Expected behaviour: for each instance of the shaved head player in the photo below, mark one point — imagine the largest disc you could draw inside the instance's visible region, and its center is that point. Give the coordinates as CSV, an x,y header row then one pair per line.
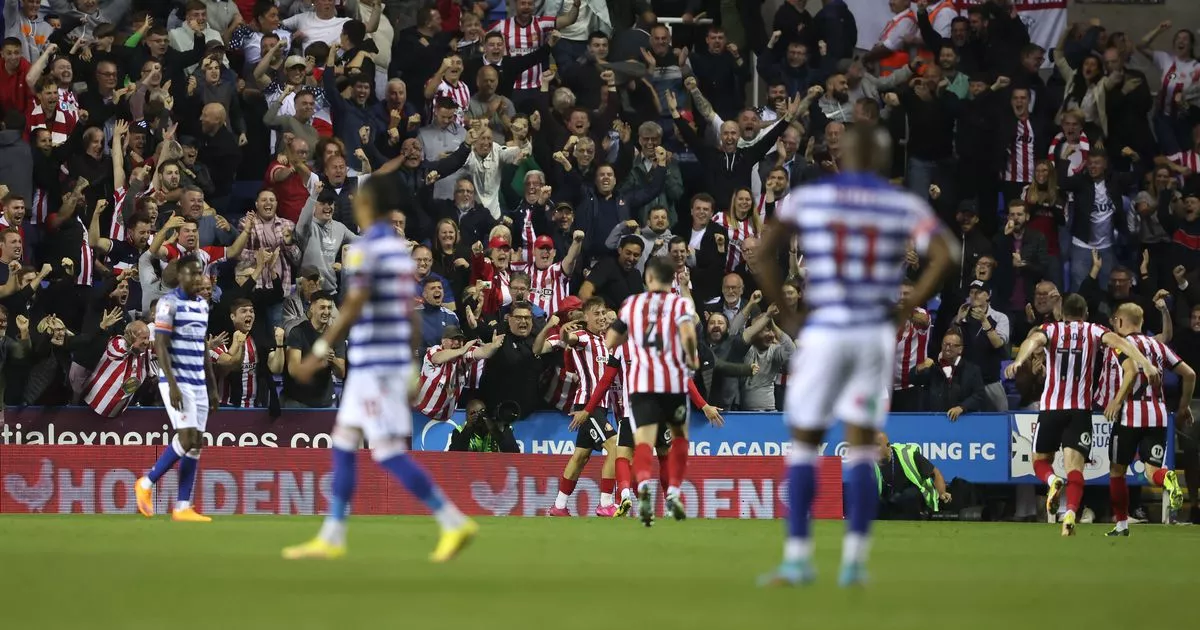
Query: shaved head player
x,y
854,228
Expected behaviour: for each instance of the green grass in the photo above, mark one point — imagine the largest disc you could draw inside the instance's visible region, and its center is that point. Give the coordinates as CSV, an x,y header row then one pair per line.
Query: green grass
x,y
101,572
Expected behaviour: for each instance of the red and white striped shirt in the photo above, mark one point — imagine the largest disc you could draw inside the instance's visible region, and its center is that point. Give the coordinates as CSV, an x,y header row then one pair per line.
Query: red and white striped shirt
x,y
1177,76
116,230
241,383
1146,405
1187,159
460,94
60,124
440,385
912,344
589,356
39,207
524,40
560,391
738,232
1077,159
1019,167
117,378
548,287
1071,349
657,359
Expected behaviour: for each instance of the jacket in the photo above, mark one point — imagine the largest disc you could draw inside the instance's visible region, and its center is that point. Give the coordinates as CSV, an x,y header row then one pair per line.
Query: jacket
x,y
1084,188
509,376
725,172
318,241
1035,255
639,176
597,216
16,165
963,389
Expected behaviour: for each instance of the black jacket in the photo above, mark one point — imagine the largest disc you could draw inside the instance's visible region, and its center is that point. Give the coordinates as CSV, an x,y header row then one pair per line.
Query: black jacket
x,y
710,263
508,377
963,389
1084,188
834,24
727,172
1037,263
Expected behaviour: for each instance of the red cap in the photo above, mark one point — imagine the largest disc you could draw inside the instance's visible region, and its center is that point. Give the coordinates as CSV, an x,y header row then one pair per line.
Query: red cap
x,y
498,242
543,242
570,303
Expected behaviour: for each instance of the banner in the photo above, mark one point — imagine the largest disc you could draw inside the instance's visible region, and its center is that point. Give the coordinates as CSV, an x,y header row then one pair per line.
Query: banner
x,y
1095,472
1045,19
250,480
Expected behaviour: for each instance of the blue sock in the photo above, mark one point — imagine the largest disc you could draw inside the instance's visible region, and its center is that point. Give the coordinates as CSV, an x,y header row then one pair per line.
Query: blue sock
x,y
416,480
169,456
344,470
802,487
863,492
187,477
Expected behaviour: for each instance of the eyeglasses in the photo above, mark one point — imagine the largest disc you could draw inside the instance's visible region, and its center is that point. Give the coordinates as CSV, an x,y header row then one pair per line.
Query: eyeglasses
x,y
952,345
524,318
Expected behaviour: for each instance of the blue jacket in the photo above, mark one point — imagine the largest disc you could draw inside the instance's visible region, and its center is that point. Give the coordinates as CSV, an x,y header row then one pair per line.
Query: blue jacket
x,y
435,319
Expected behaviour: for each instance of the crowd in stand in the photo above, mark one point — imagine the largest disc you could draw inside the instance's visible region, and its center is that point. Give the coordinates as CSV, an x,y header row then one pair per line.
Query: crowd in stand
x,y
545,150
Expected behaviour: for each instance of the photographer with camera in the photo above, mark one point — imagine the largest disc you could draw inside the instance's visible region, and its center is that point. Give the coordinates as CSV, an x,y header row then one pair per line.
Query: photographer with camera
x,y
510,376
484,433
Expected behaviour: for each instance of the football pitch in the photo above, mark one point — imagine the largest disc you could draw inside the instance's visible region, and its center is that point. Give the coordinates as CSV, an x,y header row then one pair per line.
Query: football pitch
x,y
102,572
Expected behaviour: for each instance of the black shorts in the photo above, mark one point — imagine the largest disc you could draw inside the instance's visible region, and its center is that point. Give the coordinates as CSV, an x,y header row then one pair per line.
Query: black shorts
x,y
1149,444
625,435
660,409
595,432
1070,428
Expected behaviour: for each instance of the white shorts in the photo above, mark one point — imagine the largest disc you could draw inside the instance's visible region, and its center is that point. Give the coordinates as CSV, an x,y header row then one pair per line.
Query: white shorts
x,y
841,375
376,403
194,414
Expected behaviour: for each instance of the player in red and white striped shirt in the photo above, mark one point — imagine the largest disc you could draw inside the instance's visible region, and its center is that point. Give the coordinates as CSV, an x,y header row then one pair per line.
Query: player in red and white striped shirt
x,y
1138,411
120,372
660,328
1021,156
912,346
444,371
1065,420
523,35
588,352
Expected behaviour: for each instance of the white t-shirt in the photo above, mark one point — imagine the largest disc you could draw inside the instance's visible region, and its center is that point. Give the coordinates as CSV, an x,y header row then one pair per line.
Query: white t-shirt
x,y
1177,76
314,28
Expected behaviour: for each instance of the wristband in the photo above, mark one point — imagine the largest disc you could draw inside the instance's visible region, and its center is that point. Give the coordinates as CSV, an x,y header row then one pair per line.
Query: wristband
x,y
320,348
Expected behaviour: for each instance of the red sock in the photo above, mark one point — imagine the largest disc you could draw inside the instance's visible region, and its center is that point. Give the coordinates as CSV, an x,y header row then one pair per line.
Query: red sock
x,y
566,486
677,458
664,473
1160,475
606,485
642,456
1119,491
1074,490
1043,469
624,474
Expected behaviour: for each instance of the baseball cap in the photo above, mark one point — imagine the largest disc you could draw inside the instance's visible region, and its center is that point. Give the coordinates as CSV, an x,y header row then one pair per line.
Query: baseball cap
x,y
294,60
968,206
452,332
569,303
310,272
980,285
563,206
188,141
497,242
214,44
543,242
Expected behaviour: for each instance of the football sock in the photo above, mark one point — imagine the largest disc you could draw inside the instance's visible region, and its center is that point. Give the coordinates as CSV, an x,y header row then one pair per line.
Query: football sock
x,y
1159,476
677,461
187,479
606,491
1074,490
643,454
169,456
417,481
802,483
565,488
342,487
1118,490
624,475
664,473
863,504
1043,470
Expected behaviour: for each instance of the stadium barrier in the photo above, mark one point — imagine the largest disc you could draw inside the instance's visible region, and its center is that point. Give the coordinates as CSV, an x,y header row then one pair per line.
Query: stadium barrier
x,y
257,480
990,448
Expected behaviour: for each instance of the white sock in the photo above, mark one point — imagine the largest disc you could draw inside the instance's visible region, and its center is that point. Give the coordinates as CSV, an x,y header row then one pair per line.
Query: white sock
x,y
673,491
449,517
606,499
797,549
1122,525
333,531
626,494
1051,479
855,548
182,505
560,501
144,483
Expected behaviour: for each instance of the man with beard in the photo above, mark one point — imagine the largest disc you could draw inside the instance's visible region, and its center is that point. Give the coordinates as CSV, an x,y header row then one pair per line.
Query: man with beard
x,y
650,136
603,208
435,317
1022,260
834,105
787,64
245,364
616,278
769,353
507,381
721,71
956,81
720,374
418,177
321,237
317,393
656,236
473,219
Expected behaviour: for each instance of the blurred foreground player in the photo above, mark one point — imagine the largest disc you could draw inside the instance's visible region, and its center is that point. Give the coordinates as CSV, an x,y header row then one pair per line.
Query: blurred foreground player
x,y
1138,412
854,228
1065,419
187,385
384,334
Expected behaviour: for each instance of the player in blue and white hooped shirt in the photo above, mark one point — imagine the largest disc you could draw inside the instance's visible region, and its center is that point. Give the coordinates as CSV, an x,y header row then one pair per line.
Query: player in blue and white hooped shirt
x,y
853,228
187,385
383,328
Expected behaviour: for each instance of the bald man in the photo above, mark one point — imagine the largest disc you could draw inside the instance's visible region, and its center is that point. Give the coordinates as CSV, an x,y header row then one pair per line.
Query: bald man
x,y
218,149
911,487
121,371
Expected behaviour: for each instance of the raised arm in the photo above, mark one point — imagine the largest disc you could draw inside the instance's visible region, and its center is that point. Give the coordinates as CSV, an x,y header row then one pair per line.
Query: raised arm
x,y
39,66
